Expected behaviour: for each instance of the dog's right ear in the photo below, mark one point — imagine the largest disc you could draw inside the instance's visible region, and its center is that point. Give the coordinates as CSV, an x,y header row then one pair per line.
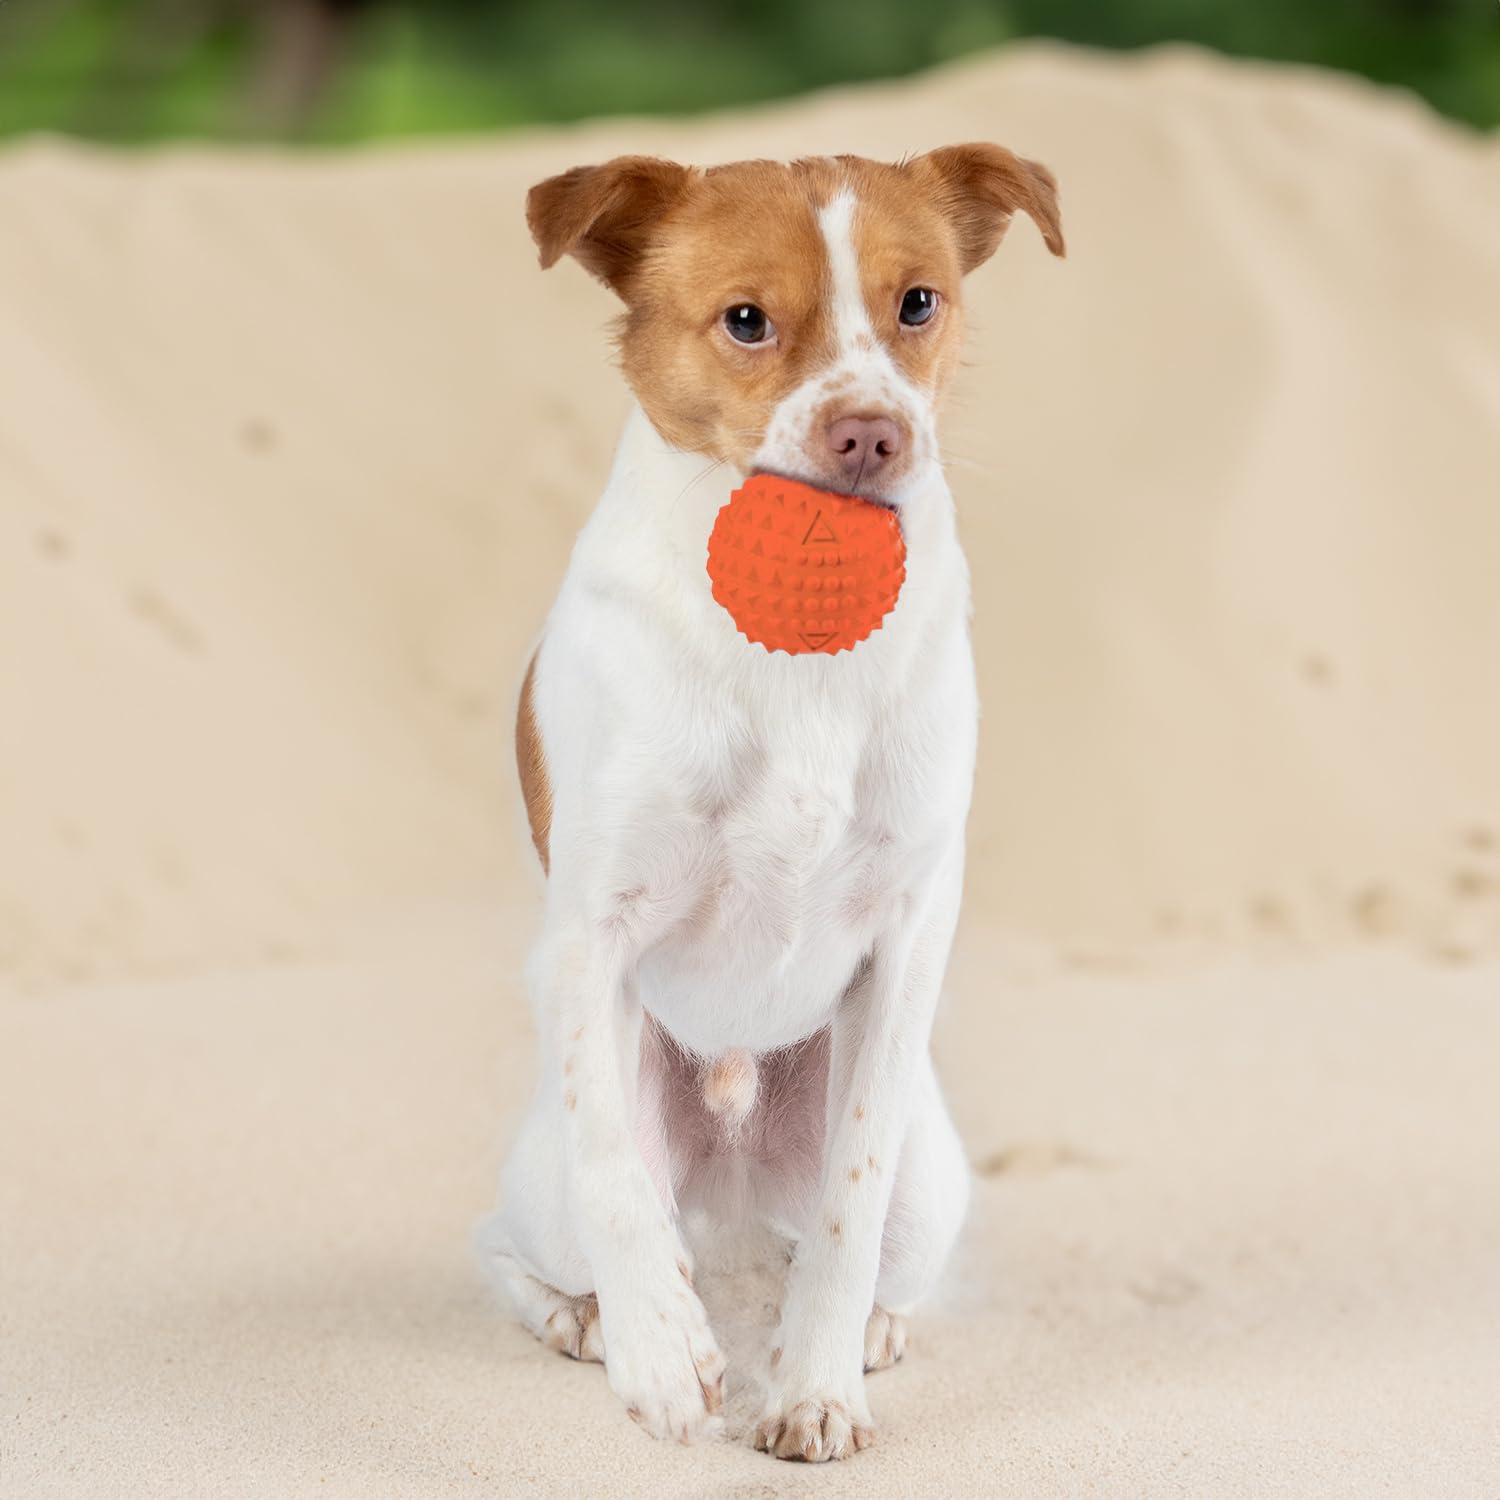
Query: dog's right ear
x,y
980,186
605,216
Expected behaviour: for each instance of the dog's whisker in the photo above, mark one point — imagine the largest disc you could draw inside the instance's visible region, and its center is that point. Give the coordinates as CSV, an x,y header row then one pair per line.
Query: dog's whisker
x,y
697,479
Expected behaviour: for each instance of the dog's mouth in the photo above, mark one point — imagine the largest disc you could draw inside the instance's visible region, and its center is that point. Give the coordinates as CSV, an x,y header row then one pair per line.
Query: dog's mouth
x,y
828,487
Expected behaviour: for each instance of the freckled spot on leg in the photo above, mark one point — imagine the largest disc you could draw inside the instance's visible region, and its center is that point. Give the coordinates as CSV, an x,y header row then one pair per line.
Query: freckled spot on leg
x,y
776,1356
578,1035
874,1165
859,1111
836,1229
570,1100
854,1174
567,1065
687,1275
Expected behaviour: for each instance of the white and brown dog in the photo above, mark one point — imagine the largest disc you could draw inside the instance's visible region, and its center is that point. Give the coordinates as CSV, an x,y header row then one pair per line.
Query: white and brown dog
x,y
754,859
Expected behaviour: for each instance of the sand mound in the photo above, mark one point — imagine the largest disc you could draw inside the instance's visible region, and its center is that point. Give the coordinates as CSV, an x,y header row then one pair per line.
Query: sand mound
x,y
292,450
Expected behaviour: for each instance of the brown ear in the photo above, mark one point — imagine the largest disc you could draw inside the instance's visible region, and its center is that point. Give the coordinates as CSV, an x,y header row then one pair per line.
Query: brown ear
x,y
980,186
604,216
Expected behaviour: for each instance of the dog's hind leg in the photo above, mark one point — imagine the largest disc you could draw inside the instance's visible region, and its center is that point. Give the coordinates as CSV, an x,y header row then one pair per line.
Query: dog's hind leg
x,y
928,1201
530,1247
568,1324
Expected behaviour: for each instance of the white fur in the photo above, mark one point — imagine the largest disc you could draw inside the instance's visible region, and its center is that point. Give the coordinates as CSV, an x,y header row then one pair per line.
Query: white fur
x,y
757,849
851,318
864,374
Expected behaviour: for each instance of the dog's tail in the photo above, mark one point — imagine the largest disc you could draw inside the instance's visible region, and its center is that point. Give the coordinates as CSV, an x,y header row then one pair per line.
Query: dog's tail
x,y
730,1084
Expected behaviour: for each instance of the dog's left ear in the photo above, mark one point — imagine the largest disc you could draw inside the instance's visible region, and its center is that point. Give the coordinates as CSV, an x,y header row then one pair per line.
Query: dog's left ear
x,y
981,186
605,216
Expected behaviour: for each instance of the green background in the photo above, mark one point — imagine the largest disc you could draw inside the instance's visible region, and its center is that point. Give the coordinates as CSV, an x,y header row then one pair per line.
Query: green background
x,y
346,70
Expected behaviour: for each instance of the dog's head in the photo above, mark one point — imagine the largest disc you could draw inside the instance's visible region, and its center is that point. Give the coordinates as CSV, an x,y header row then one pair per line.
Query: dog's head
x,y
804,318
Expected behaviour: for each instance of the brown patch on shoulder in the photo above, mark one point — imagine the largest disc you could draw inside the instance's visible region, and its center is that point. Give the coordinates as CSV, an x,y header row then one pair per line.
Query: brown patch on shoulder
x,y
531,762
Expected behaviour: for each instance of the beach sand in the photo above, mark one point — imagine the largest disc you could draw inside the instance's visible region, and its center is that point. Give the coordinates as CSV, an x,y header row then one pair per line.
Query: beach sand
x,y
292,451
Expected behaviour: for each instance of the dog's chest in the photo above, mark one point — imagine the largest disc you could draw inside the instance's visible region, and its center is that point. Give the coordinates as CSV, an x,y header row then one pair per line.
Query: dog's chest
x,y
797,855
797,870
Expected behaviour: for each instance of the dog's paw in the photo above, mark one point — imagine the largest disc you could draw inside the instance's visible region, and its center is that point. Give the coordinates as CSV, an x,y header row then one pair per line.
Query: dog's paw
x,y
813,1431
572,1328
664,1364
885,1339
566,1323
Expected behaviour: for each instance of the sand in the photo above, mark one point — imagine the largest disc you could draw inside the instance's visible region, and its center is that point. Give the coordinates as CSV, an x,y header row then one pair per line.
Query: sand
x,y
292,449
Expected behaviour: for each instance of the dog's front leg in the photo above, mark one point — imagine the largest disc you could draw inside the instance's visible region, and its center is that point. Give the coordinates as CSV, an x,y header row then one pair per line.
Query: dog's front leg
x,y
816,1406
658,1349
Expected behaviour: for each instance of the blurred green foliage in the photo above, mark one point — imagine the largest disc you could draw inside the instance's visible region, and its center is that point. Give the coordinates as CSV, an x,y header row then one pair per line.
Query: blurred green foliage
x,y
344,70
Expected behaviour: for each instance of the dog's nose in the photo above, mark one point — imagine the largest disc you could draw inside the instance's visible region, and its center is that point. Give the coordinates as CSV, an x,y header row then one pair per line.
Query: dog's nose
x,y
863,445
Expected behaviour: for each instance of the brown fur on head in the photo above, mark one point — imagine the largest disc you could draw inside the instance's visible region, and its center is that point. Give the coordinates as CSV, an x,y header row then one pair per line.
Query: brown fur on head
x,y
682,245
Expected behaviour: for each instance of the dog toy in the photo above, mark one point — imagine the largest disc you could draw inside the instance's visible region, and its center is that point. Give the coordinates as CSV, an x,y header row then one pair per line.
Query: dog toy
x,y
803,570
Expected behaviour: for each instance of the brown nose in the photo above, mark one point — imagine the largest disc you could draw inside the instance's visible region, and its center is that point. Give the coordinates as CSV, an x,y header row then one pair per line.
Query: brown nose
x,y
862,445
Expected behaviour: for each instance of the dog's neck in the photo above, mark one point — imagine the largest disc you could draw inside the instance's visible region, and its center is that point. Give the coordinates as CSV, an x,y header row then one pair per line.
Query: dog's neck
x,y
649,534
666,495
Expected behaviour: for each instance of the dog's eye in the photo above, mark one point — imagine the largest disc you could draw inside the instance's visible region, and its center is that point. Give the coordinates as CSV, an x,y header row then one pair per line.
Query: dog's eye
x,y
918,305
747,324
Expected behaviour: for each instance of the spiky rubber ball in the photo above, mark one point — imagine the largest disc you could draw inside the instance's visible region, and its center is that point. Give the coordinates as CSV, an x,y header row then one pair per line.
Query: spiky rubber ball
x,y
803,570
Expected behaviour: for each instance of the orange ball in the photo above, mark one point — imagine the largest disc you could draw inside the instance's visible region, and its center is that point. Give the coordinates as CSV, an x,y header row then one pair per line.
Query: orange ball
x,y
803,570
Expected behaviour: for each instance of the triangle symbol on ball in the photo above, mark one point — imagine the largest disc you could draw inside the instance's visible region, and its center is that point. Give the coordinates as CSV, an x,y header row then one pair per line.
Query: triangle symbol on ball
x,y
819,531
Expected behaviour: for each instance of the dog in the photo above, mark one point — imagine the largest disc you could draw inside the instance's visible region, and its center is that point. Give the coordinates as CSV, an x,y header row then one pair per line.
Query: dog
x,y
753,859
